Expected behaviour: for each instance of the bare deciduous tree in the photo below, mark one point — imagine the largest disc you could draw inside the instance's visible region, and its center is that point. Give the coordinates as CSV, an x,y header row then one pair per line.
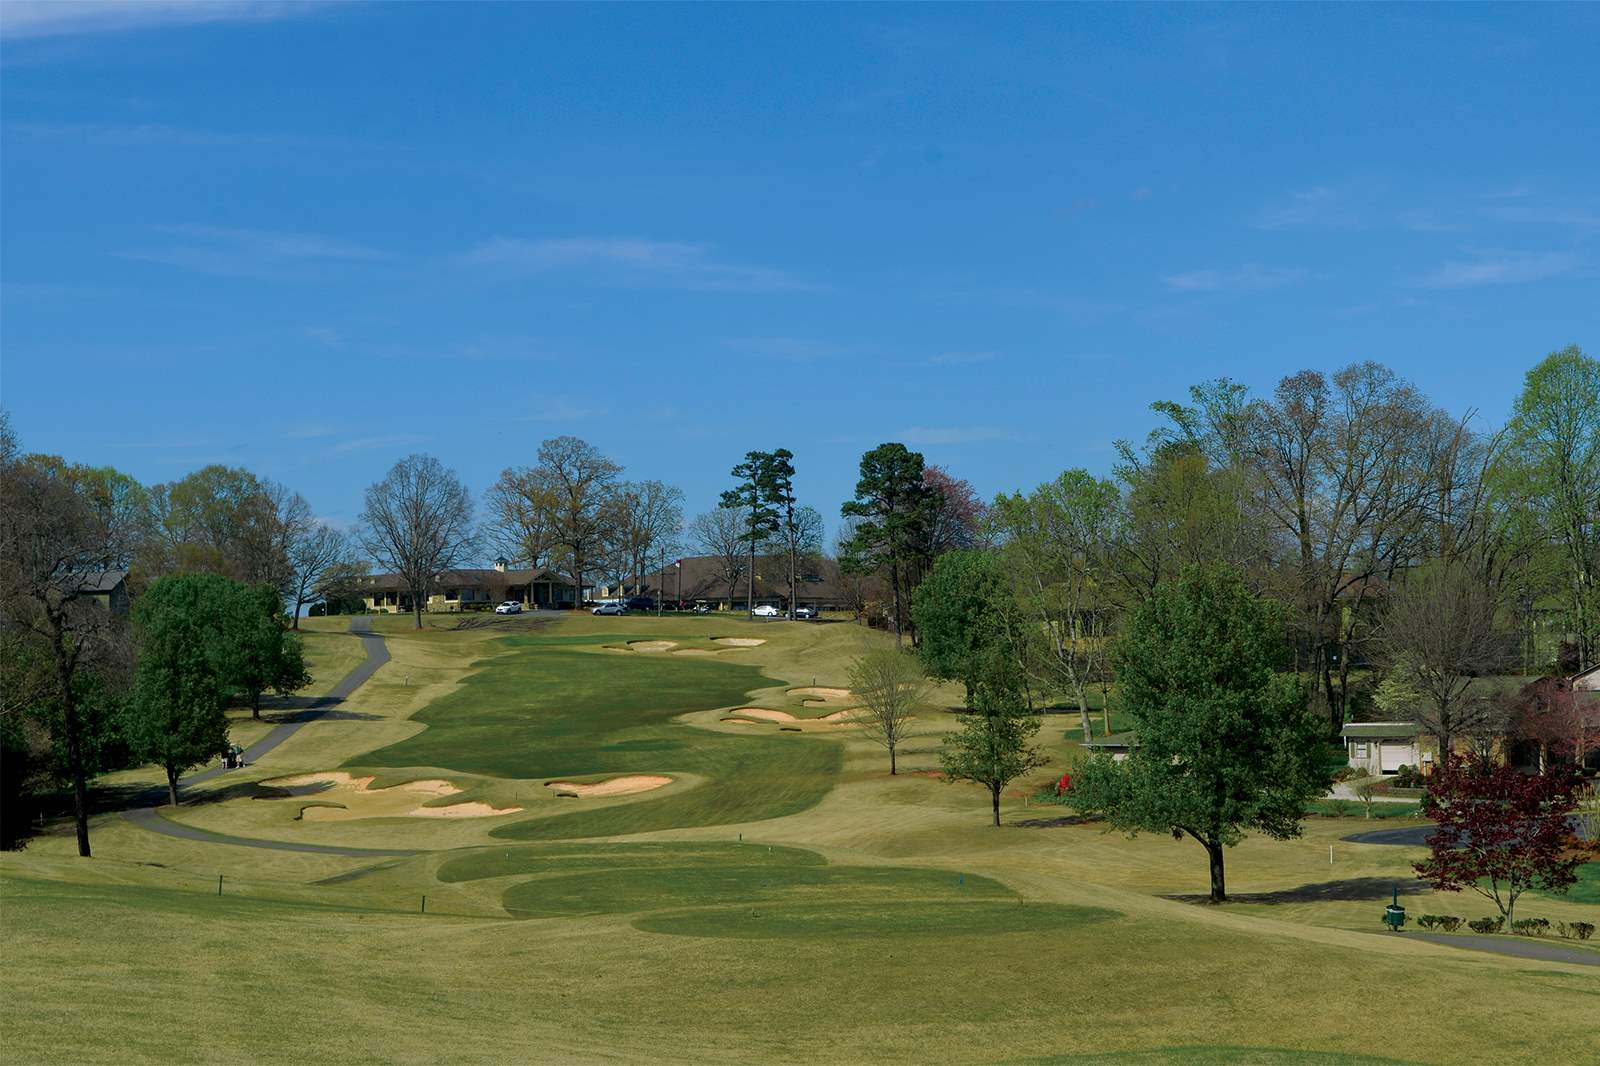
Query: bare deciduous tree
x,y
891,685
521,512
1440,638
579,485
649,522
721,534
417,522
322,561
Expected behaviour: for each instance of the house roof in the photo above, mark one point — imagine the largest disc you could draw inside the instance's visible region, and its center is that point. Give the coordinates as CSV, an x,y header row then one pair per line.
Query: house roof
x,y
463,578
1379,729
817,580
1588,678
100,580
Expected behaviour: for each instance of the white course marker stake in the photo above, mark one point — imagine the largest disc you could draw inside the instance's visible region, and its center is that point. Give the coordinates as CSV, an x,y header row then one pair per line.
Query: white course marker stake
x,y
1330,854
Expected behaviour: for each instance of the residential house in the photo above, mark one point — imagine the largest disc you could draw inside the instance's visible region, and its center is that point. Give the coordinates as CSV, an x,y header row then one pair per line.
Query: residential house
x,y
1384,747
700,579
464,589
108,588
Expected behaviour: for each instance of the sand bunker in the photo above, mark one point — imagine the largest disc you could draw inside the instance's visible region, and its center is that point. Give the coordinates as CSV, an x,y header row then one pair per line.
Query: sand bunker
x,y
738,642
652,645
617,786
841,716
762,712
822,695
740,721
695,651
356,798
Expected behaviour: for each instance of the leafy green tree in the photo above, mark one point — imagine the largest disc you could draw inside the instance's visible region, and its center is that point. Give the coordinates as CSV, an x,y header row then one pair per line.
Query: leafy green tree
x,y
965,617
1225,741
262,653
1551,470
1056,543
175,717
994,744
891,686
893,506
60,527
756,496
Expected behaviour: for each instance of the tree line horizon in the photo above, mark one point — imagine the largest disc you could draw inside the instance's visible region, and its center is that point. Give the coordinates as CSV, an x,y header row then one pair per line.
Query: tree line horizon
x,y
1344,497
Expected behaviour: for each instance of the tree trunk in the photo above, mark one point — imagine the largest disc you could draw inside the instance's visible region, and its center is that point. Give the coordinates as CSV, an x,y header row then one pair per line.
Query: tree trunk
x,y
172,786
255,705
577,581
792,569
1083,714
69,721
994,791
891,759
1219,891
894,584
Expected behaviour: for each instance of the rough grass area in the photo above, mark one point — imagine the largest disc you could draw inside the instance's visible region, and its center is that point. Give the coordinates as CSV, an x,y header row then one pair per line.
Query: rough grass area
x,y
783,900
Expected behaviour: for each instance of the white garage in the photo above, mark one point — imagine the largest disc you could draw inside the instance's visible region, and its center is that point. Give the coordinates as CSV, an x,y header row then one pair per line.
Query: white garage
x,y
1381,747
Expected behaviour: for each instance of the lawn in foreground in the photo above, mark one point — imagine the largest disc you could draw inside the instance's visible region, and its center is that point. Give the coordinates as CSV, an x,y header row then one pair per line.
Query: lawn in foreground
x,y
241,980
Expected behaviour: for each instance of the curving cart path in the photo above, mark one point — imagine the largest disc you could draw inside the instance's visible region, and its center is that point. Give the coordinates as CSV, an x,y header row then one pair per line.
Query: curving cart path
x,y
150,817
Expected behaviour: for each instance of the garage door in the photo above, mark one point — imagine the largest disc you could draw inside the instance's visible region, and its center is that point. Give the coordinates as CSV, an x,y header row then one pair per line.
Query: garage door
x,y
1394,754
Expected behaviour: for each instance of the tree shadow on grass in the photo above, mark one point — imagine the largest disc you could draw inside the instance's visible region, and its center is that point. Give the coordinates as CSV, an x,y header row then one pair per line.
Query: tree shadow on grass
x,y
1353,889
1052,823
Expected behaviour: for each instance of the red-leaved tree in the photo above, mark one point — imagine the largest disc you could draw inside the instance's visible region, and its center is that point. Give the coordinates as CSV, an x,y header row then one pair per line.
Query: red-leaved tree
x,y
1500,832
1563,723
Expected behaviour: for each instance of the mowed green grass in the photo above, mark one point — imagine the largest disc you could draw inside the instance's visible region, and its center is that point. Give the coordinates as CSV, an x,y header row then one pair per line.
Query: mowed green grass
x,y
861,918
550,710
756,891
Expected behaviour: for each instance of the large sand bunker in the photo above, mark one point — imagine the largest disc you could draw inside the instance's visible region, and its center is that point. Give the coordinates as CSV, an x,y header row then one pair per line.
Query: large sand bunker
x,y
346,797
652,645
738,642
617,786
821,695
762,712
846,717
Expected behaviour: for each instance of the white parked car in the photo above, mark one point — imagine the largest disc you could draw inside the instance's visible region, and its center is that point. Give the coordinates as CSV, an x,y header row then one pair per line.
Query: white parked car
x,y
610,608
766,610
509,607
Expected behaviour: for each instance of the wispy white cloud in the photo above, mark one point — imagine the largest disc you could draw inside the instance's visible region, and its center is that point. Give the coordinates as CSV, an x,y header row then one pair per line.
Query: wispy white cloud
x,y
631,261
960,358
157,135
1567,216
325,336
1320,206
925,435
364,444
1251,277
21,19
1497,268
791,349
251,253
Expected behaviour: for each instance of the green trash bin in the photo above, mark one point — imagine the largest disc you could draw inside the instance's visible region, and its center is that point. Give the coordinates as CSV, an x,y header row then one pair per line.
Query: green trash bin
x,y
1394,915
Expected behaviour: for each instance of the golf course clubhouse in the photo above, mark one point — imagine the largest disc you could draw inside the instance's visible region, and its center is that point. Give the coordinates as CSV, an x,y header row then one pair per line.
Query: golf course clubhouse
x,y
468,590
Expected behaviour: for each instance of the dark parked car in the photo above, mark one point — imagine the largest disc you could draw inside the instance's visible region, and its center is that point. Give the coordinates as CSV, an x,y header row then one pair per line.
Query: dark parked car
x,y
641,603
805,612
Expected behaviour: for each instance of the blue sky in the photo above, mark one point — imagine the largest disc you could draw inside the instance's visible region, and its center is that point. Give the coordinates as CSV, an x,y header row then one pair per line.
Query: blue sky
x,y
310,239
